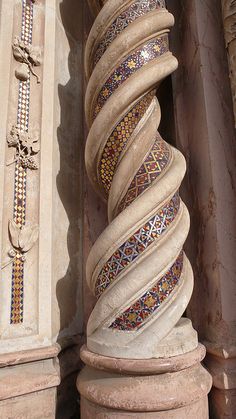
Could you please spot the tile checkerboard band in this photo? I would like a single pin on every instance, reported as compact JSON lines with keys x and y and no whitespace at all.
{"x":19,"y":209}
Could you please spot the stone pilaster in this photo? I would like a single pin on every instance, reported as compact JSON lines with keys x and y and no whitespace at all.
{"x":40,"y":205}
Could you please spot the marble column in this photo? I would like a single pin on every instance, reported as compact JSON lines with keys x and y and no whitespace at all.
{"x":137,"y":269}
{"x":206,"y":135}
{"x":40,"y":205}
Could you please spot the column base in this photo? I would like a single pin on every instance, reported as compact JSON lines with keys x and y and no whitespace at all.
{"x":172,"y":388}
{"x":221,"y":362}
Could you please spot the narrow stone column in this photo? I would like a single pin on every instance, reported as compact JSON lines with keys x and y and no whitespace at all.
{"x":137,"y":268}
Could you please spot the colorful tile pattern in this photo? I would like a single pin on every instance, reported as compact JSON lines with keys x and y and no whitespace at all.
{"x":119,"y":139}
{"x":17,"y":292}
{"x":135,"y":10}
{"x":137,"y":244}
{"x":19,"y":195}
{"x":141,"y":57}
{"x":154,"y":164}
{"x":141,"y":311}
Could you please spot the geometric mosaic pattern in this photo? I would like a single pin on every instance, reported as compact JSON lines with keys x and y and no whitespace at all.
{"x":19,"y":209}
{"x":141,"y":57}
{"x":17,"y":291}
{"x":119,"y":139}
{"x":155,"y":162}
{"x":137,"y":244}
{"x":19,"y":195}
{"x":138,"y":313}
{"x":136,"y":10}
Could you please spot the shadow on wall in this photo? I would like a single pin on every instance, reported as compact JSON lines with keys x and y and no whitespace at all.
{"x":69,"y":183}
{"x":86,"y":214}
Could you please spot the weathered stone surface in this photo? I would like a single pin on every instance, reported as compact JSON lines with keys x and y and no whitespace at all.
{"x":122,"y":388}
{"x":39,"y":405}
{"x":206,"y":135}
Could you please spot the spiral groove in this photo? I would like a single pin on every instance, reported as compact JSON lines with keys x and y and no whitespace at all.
{"x":137,"y":268}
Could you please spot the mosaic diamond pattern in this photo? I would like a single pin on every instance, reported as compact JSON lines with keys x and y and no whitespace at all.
{"x":140,"y":312}
{"x":142,"y":56}
{"x":20,"y":195}
{"x":17,"y":292}
{"x":119,"y":139}
{"x":137,"y":244}
{"x":155,"y":162}
{"x":136,"y":10}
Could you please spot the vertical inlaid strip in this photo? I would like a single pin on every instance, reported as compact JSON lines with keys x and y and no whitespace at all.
{"x":19,"y":210}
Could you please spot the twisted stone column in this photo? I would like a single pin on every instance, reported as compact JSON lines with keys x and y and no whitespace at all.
{"x":137,"y":268}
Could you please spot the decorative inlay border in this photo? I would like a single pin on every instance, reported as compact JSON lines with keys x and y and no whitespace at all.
{"x":141,"y":57}
{"x":137,"y":244}
{"x":140,"y":312}
{"x":119,"y":139}
{"x":22,"y":236}
{"x":137,"y":9}
{"x":154,"y":164}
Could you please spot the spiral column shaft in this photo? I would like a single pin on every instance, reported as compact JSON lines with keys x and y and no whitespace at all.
{"x":137,"y":268}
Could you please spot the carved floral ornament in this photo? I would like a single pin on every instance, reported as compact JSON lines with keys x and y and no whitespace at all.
{"x":26,"y":147}
{"x":29,"y":56}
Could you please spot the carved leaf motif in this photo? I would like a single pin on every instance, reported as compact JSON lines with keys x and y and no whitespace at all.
{"x":23,"y":238}
{"x":34,"y":55}
{"x":28,"y":237}
{"x":14,"y":232}
{"x":18,"y":54}
{"x":35,"y":147}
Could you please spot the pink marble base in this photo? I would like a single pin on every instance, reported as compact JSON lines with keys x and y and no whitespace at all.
{"x":196,"y":410}
{"x":173,"y":388}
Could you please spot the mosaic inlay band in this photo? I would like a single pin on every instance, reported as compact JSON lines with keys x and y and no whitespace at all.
{"x":19,"y":209}
{"x":134,"y":11}
{"x":154,"y":164}
{"x":140,"y":312}
{"x":119,"y":139}
{"x":137,"y":244}
{"x":142,"y":56}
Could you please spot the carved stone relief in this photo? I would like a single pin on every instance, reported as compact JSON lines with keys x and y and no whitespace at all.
{"x":23,"y":148}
